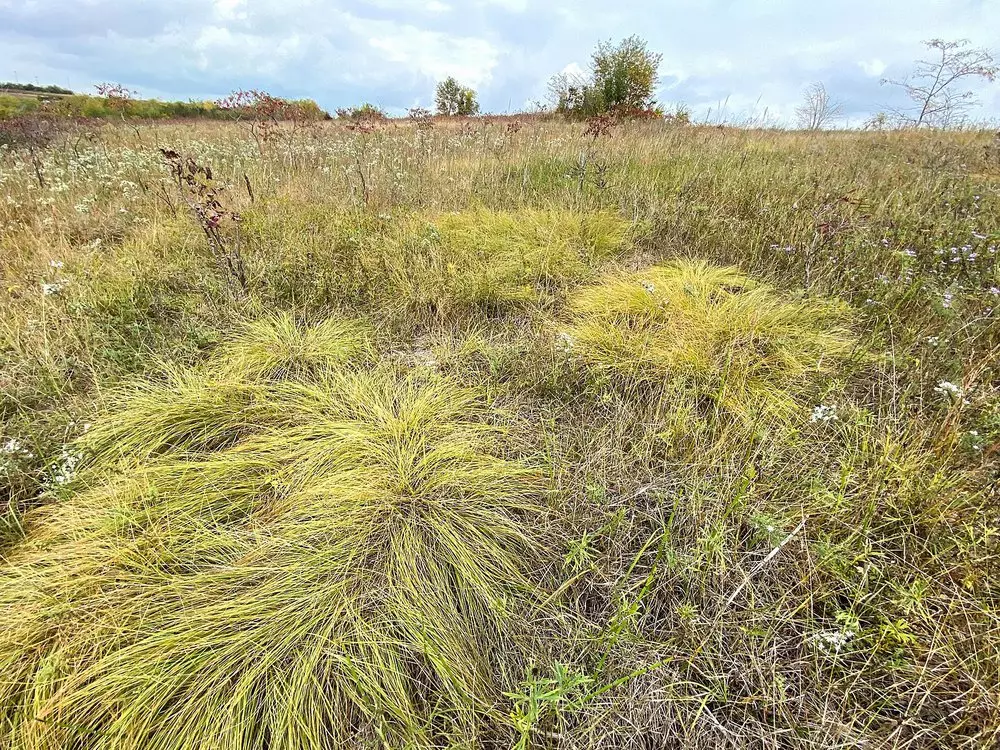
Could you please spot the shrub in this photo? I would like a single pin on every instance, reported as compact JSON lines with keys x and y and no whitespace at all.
{"x":365,"y":112}
{"x":623,"y":78}
{"x":282,"y":548}
{"x":711,"y":332}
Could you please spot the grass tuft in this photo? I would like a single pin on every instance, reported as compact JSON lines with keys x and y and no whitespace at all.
{"x":712,"y":332}
{"x":301,"y":561}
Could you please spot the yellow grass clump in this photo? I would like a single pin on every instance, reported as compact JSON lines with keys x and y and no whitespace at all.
{"x":435,"y":265}
{"x":280,"y":549}
{"x":711,"y":331}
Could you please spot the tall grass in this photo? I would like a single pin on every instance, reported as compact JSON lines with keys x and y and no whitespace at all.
{"x":709,"y":331}
{"x":676,"y":437}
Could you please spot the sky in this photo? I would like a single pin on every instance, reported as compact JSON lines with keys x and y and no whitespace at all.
{"x":723,"y":59}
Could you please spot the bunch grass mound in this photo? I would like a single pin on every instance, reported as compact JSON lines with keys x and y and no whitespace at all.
{"x":434,"y":265}
{"x":708,"y":332}
{"x":501,"y":259}
{"x":290,"y":547}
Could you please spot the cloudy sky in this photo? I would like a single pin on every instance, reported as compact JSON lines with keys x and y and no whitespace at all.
{"x":728,"y":58}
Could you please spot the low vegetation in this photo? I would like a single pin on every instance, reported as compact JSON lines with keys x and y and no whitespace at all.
{"x":545,"y":435}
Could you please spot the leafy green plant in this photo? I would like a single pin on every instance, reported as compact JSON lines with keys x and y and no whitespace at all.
{"x":451,"y":98}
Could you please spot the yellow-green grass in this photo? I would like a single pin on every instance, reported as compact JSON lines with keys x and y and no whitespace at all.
{"x":708,"y":332}
{"x":280,"y":549}
{"x":434,"y":266}
{"x":696,"y":577}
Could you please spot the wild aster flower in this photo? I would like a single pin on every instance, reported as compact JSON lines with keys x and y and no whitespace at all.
{"x":933,"y":340}
{"x":952,"y":391}
{"x":56,"y":264}
{"x":832,"y":641}
{"x":649,"y":286}
{"x":65,"y":468}
{"x":995,"y":291}
{"x":910,"y":253}
{"x":823,"y":413}
{"x":12,"y":447}
{"x":946,"y":299}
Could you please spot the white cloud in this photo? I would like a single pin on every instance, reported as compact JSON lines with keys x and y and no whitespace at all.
{"x":874,"y":68}
{"x":755,"y":54}
{"x":230,"y":10}
{"x":437,"y":55}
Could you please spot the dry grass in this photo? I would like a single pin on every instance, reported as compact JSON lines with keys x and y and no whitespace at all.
{"x":376,"y":500}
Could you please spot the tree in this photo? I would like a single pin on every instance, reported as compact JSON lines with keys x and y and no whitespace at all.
{"x":933,"y":85}
{"x":623,"y":78}
{"x":454,"y":99}
{"x":817,"y":109}
{"x":625,"y":75}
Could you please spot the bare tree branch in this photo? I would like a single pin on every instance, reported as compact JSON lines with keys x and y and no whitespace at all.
{"x":931,"y":86}
{"x":817,"y":110}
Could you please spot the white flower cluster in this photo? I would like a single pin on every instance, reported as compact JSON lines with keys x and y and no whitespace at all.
{"x":10,"y":450}
{"x":649,"y":286}
{"x":53,"y":287}
{"x":832,"y":641}
{"x":823,"y":413}
{"x":564,"y":342}
{"x":65,"y":468}
{"x":952,"y":391}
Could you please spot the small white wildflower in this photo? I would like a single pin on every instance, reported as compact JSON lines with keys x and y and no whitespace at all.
{"x":564,"y":341}
{"x":823,"y":413}
{"x":909,"y":253}
{"x":56,"y":264}
{"x":832,"y":641}
{"x":54,"y":287}
{"x":649,"y":286}
{"x":952,"y":391}
{"x":946,"y":387}
{"x":946,"y":299}
{"x":11,"y":447}
{"x":995,"y":291}
{"x":65,"y":469}
{"x":933,"y":340}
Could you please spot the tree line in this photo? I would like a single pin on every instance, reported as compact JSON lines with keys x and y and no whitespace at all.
{"x":621,"y":81}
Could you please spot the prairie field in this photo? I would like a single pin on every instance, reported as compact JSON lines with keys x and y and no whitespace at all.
{"x":497,"y":433}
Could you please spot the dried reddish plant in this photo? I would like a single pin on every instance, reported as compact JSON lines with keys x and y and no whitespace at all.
{"x":265,"y":113}
{"x":600,"y":126}
{"x":203,"y":195}
{"x":117,"y":95}
{"x":32,"y":133}
{"x":422,"y":116}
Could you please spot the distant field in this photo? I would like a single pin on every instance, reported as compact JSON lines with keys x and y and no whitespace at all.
{"x":490,"y":433}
